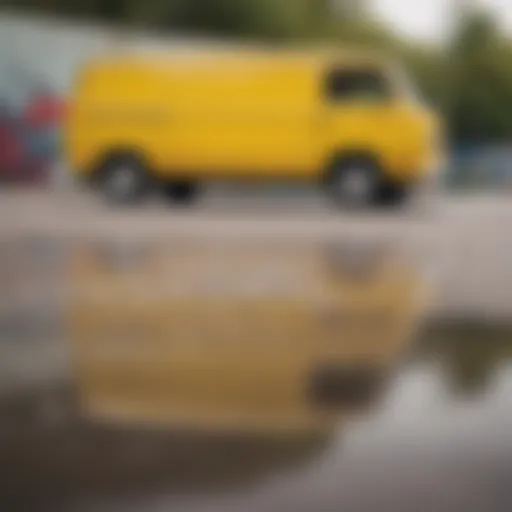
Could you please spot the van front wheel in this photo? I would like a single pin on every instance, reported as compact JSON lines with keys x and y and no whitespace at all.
{"x":392,"y":194}
{"x":353,"y":182}
{"x":357,"y":183}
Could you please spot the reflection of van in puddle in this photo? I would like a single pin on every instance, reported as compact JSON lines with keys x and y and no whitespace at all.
{"x":238,"y":334}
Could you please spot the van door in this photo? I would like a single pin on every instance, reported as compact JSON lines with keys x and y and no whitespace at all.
{"x":358,"y":110}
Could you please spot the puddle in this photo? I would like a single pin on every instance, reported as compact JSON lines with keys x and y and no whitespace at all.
{"x":290,"y":376}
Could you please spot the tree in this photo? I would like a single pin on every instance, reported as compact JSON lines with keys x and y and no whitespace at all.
{"x":481,"y":84}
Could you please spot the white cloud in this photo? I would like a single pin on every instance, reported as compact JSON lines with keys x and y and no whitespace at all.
{"x":432,"y":19}
{"x":421,"y":19}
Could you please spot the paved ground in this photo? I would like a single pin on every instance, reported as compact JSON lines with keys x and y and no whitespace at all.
{"x":464,"y":241}
{"x":447,"y":452}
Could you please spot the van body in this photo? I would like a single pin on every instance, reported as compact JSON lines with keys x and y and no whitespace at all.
{"x":181,"y":120}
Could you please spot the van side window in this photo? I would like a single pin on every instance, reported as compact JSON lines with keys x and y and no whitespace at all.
{"x":353,"y":84}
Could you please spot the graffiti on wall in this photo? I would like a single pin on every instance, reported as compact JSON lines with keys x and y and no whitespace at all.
{"x":29,"y":135}
{"x":38,"y":60}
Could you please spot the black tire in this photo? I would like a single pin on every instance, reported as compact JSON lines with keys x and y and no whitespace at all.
{"x":357,"y":183}
{"x":391,"y":195}
{"x":181,"y":193}
{"x":124,"y":180}
{"x":353,"y":182}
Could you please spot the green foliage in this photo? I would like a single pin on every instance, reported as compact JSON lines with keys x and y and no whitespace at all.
{"x":481,"y":86}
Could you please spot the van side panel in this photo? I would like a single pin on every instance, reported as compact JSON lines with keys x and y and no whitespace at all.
{"x":117,"y":108}
{"x":236,"y":118}
{"x":226,"y":117}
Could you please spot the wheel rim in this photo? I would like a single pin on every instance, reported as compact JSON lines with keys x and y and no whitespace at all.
{"x":354,"y":185}
{"x":121,"y":182}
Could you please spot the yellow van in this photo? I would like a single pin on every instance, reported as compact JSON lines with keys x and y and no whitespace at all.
{"x":348,"y":121}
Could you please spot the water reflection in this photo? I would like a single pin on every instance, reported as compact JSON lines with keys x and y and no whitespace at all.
{"x":55,"y":465}
{"x":471,"y":354}
{"x":246,"y":335}
{"x":272,"y":374}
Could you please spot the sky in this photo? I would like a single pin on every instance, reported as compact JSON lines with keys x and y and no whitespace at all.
{"x":430,"y":20}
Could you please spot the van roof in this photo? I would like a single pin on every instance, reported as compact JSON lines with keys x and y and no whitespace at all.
{"x":350,"y":56}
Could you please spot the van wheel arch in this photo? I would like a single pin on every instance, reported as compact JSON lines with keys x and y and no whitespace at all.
{"x":348,"y":155}
{"x":115,"y":154}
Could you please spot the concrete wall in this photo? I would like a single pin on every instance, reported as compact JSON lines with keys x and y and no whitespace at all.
{"x":39,"y":58}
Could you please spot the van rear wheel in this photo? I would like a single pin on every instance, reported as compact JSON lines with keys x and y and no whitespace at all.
{"x":123,"y":179}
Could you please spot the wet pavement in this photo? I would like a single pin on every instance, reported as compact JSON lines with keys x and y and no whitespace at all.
{"x":464,"y":238}
{"x":438,"y":438}
{"x":431,"y":433}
